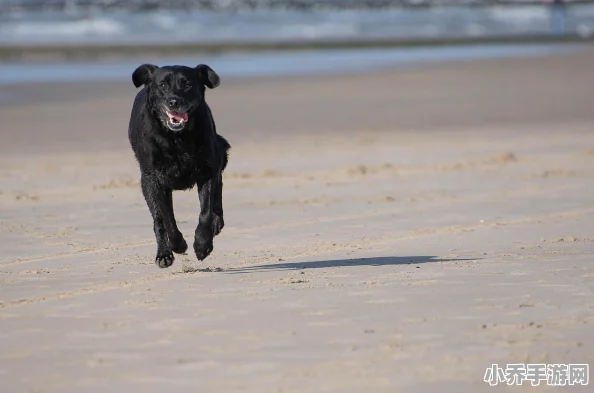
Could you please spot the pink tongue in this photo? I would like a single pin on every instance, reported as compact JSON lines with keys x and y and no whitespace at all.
{"x":179,"y":116}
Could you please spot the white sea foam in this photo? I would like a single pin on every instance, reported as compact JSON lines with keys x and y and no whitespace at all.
{"x":55,"y":30}
{"x":525,"y":16}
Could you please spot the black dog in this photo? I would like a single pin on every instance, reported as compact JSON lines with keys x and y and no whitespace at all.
{"x":174,"y":138}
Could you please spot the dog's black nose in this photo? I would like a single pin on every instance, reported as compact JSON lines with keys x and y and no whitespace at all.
{"x":173,"y":103}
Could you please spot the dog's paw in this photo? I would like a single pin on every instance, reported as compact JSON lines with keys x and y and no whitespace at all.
{"x":164,"y":259}
{"x":178,"y":244}
{"x":202,"y":248}
{"x":217,"y":224}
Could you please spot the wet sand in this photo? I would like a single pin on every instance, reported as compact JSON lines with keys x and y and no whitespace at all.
{"x":398,"y":231}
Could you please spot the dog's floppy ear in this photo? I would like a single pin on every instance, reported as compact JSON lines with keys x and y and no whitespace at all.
{"x":142,"y":75}
{"x":209,"y":77}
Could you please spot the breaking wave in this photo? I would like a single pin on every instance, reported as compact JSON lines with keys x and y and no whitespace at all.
{"x":178,"y":21}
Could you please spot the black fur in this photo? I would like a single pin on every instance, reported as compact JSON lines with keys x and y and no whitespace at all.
{"x":174,"y":154}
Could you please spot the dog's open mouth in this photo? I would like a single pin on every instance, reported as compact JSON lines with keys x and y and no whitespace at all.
{"x":176,"y":120}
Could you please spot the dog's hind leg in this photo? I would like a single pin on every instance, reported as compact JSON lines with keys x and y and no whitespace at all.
{"x":217,"y":220}
{"x":157,"y":198}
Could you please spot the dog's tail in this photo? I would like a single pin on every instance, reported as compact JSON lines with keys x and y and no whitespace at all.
{"x":225,"y":146}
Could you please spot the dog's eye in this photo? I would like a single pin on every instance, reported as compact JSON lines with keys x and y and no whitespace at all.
{"x":163,"y":85}
{"x":188,"y":86}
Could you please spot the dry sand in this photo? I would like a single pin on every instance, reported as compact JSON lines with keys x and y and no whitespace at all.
{"x":394,"y":232}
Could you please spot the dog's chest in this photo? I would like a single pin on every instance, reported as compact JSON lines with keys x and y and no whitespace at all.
{"x":180,"y":168}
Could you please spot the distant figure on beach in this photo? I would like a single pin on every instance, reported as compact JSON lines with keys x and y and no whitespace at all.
{"x":558,"y":16}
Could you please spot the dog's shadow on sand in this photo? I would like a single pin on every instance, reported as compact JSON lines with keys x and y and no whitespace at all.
{"x":356,"y":262}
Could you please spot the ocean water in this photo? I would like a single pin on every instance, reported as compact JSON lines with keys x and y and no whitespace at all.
{"x":25,"y":22}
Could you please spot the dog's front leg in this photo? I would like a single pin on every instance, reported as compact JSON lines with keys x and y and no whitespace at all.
{"x":159,"y":201}
{"x":176,"y":239}
{"x":204,"y":231}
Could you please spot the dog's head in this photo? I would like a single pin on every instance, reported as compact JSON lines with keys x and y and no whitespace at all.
{"x":175,"y":92}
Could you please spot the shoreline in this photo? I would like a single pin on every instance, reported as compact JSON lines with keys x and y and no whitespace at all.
{"x":268,"y":64}
{"x":92,"y":51}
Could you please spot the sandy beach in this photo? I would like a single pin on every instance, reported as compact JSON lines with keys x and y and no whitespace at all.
{"x":391,"y":231}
